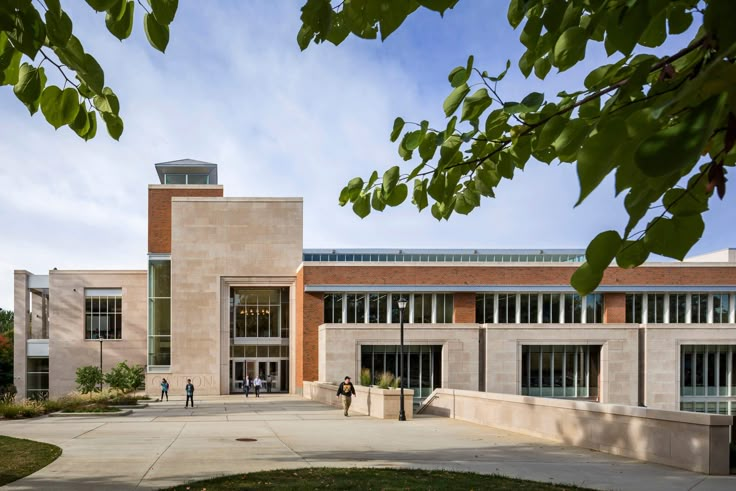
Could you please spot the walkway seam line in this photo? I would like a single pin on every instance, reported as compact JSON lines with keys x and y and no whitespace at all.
{"x":696,"y":484}
{"x":183,"y":425}
{"x":268,"y":423}
{"x":91,"y":429}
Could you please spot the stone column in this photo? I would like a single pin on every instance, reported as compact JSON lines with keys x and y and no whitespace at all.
{"x":21,"y":309}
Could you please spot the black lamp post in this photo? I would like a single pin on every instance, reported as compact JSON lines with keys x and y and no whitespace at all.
{"x":99,"y":335}
{"x":402,"y":414}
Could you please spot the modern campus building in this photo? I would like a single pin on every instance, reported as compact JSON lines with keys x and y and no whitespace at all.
{"x":229,"y":290}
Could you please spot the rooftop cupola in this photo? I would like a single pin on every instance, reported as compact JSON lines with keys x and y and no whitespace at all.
{"x":187,"y":172}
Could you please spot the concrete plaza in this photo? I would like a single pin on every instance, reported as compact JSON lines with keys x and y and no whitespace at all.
{"x":165,"y":445}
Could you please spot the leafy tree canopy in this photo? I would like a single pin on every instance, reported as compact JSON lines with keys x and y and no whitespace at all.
{"x":6,"y":348}
{"x":665,"y":126}
{"x":36,"y":34}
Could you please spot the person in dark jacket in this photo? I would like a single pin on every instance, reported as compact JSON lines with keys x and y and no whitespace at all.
{"x":189,"y":389}
{"x":246,"y":385}
{"x":346,"y":390}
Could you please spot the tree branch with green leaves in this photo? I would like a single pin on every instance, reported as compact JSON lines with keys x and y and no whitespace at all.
{"x":28,"y":39}
{"x":654,"y":122}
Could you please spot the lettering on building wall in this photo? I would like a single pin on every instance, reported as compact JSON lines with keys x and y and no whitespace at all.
{"x":180,"y":381}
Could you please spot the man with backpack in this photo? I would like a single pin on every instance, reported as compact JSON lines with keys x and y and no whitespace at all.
{"x":346,"y":390}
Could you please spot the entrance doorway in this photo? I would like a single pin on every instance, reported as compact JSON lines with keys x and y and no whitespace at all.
{"x":277,"y":369}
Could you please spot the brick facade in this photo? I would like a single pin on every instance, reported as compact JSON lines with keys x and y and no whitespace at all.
{"x":464,"y":308}
{"x":531,"y":275}
{"x":310,"y":309}
{"x":614,"y":305}
{"x":159,"y":212}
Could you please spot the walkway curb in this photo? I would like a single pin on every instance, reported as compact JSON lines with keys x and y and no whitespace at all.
{"x":60,"y":414}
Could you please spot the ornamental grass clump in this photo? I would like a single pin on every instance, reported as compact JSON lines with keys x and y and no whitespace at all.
{"x":23,"y":409}
{"x":385,"y":380}
{"x":365,"y":377}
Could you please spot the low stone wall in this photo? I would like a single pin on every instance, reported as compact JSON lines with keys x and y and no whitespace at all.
{"x":379,"y":403}
{"x":693,"y":441}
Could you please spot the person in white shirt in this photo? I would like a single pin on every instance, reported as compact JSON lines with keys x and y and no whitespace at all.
{"x":257,"y":385}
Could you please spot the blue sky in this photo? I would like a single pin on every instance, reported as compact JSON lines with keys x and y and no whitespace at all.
{"x":234,"y":89}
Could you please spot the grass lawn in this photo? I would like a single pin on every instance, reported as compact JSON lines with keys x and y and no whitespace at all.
{"x":378,"y":479}
{"x":23,"y":457}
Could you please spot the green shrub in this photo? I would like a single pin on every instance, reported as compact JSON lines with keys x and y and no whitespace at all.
{"x":365,"y":377}
{"x":385,"y":380}
{"x":395,"y":383}
{"x":124,"y":378}
{"x":89,"y":379}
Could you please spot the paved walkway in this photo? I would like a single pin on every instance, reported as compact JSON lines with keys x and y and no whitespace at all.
{"x":165,"y":444}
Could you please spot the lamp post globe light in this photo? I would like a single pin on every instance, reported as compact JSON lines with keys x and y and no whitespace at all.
{"x":402,"y":305}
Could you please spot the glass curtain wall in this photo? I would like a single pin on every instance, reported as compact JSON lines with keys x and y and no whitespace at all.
{"x":259,"y":335}
{"x":258,"y":313}
{"x":423,"y":365}
{"x":560,"y":371}
{"x":159,"y":312}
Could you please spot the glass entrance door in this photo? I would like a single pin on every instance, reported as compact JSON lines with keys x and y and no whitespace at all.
{"x":238,"y":374}
{"x":269,"y":370}
{"x":239,"y":368}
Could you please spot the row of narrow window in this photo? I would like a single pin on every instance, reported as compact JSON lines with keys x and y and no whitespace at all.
{"x":534,"y":308}
{"x":382,"y":308}
{"x":679,"y":308}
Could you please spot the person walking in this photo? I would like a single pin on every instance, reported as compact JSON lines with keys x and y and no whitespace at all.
{"x":189,"y":389}
{"x":269,"y":382}
{"x":246,"y":385}
{"x":164,"y":390}
{"x":347,"y":391}
{"x":257,"y":384}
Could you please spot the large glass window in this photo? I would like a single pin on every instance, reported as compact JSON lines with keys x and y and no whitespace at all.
{"x":720,"y":308}
{"x":422,"y":308}
{"x":333,"y":308}
{"x":257,"y":312}
{"x":396,"y":311}
{"x":422,"y":365}
{"x":103,"y":316}
{"x":378,"y":308}
{"x":633,"y":308}
{"x":529,"y":307}
{"x":573,"y":308}
{"x":356,"y":308}
{"x":708,"y":378}
{"x":550,"y":308}
{"x":37,"y":378}
{"x":507,"y":308}
{"x":484,"y":308}
{"x":699,"y":308}
{"x":560,"y":371}
{"x":159,"y":312}
{"x":655,"y":308}
{"x":678,"y":308}
{"x":594,"y":308}
{"x":444,"y":308}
